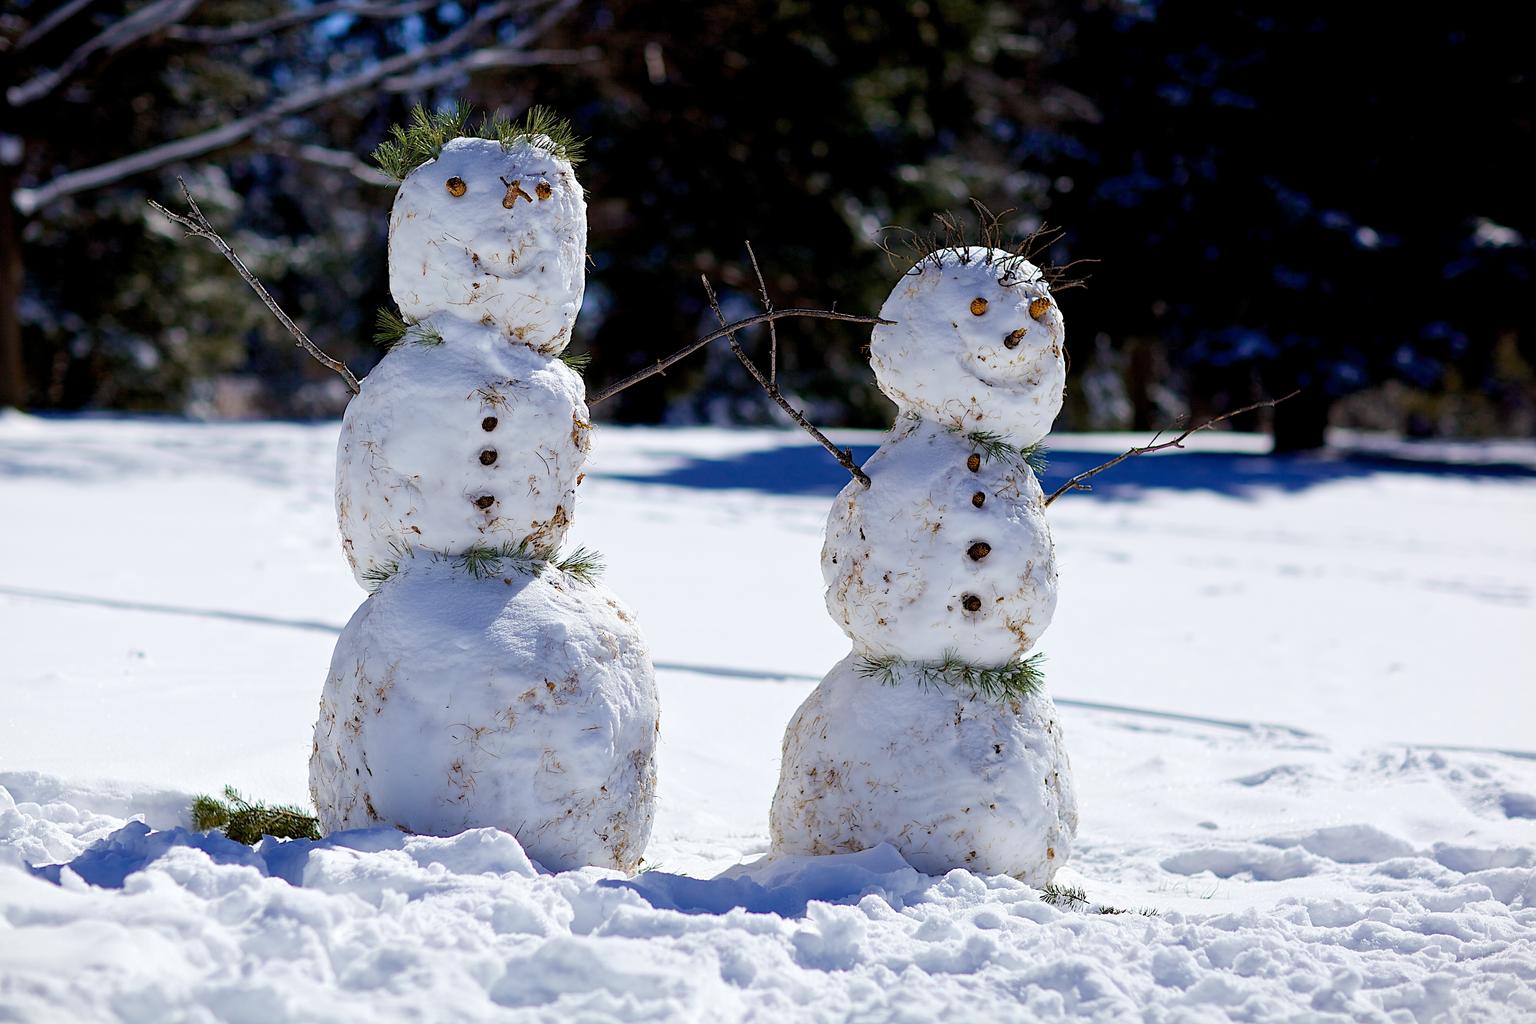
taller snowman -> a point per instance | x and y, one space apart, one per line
484 681
933 734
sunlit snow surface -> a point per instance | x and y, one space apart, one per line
1297 694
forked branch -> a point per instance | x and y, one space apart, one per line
770 384
662 365
196 224
1077 484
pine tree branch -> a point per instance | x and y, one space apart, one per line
1076 483
662 365
29 199
196 224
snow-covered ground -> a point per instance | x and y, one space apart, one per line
1298 695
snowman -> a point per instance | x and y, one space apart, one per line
933 734
483 682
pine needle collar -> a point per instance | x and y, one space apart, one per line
424 135
1011 682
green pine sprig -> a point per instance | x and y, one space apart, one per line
484 561
391 329
578 361
582 565
1013 681
1075 898
539 126
246 822
426 132
995 447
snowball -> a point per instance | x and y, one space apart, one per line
965 351
949 779
525 703
899 562
439 429
508 253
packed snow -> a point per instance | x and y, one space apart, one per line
498 234
1297 694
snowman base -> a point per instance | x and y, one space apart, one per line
525 702
949 778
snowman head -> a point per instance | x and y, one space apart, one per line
976 344
493 233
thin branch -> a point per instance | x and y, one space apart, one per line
844 457
198 225
494 57
336 159
50 23
146 21
214 35
773 335
29 199
661 365
1076 483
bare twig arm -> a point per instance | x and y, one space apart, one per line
198 225
843 456
661 365
1077 484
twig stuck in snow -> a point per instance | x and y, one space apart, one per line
198 225
1076 483
769 383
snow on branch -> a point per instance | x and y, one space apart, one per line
197 224
29 199
1077 484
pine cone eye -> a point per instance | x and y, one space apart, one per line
978 306
1039 307
456 186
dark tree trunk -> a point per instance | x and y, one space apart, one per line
1301 423
13 381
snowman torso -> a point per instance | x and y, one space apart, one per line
479 684
944 558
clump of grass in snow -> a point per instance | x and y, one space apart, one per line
246 822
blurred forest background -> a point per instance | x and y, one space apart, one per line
1306 194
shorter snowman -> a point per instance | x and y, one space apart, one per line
933 734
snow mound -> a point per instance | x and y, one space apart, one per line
516 700
944 776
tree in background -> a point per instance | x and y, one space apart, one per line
106 102
1299 196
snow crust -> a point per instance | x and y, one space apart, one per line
437 429
897 558
951 366
945 777
524 702
1325 836
508 254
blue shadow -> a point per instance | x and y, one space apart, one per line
805 469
